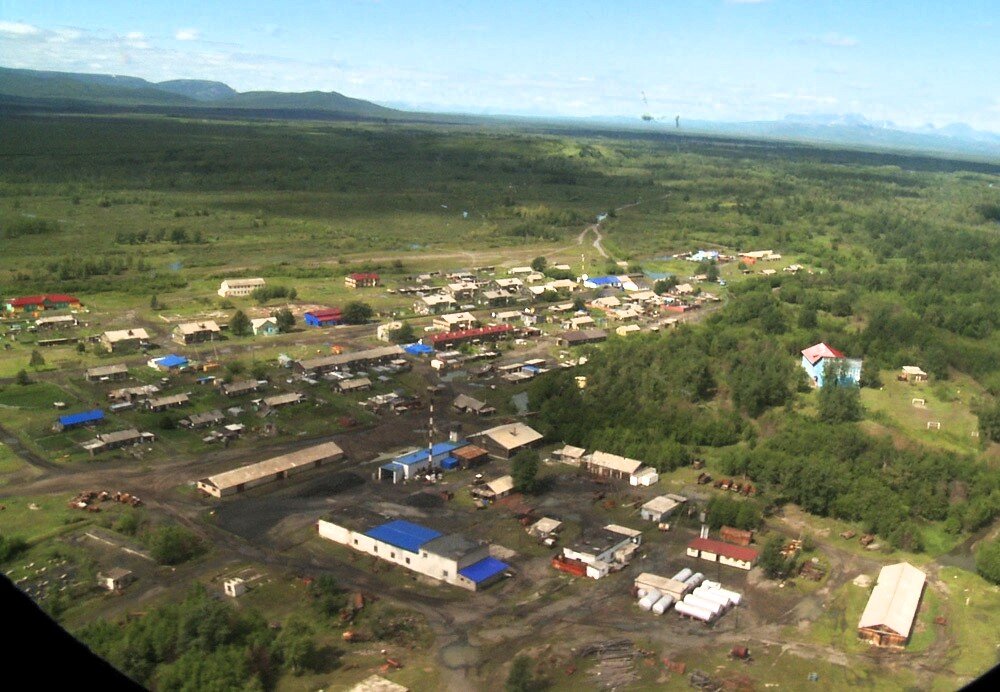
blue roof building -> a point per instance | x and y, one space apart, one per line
169 362
408 465
418 349
447 557
76 420
603 281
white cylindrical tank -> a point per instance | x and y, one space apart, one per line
711 584
663 605
712 595
647 601
733 597
640 593
708 605
683 574
694 580
693 611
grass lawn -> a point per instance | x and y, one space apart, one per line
972 609
946 402
51 516
9 462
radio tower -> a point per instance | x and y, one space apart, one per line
430 438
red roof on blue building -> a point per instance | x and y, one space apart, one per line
816 353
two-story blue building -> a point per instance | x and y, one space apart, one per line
818 360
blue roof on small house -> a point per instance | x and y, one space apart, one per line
172 361
418 349
403 534
604 280
483 570
81 418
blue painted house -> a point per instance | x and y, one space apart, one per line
406 466
819 359
323 318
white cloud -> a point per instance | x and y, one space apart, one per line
18 29
187 35
135 36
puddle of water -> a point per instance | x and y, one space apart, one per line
459 655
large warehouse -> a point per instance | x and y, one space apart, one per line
892 607
274 469
448 557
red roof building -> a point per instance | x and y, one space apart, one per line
50 301
361 279
814 354
717 551
462 336
324 317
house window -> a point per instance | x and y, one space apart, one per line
407 560
392 555
444 573
376 548
355 541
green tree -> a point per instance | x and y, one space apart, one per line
761 377
712 271
296 644
839 404
539 264
775 566
286 320
521 678
357 312
524 469
664 285
154 303
172 545
328 598
22 378
404 335
37 360
808 318
989 422
988 561
239 324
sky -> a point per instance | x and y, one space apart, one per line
909 62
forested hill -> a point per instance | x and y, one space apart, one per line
115 90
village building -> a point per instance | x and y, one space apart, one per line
168 363
504 441
201 420
496 298
348 361
107 373
274 402
270 470
115 579
434 304
167 402
508 316
34 305
240 387
821 359
326 317
494 489
264 326
361 280
129 394
520 271
466 404
627 329
406 466
735 536
615 466
462 290
512 285
569 454
240 288
449 340
602 282
115 440
751 258
582 337
356 384
124 339
196 332
452 559
727 554
56 322
79 420
470 455
887 620
603 550
662 507
911 373
455 321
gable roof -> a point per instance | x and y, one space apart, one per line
513 435
816 353
196 327
736 552
501 485
895 599
81 418
403 534
615 462
484 569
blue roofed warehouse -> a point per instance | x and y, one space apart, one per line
77 420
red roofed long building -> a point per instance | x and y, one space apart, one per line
34 304
452 339
361 280
728 554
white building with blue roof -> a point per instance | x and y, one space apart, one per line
406 466
450 558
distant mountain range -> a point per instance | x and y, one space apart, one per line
72 90
115 90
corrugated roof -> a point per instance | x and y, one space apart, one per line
171 361
102 370
285 462
491 330
195 327
484 569
736 552
125 334
615 462
348 358
895 599
81 418
501 485
419 455
660 504
120 436
36 300
513 435
403 534
816 353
